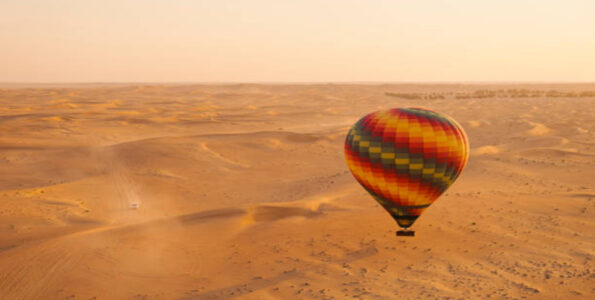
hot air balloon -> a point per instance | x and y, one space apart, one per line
406 158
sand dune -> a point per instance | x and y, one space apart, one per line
538 129
242 192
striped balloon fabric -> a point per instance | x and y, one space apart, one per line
406 158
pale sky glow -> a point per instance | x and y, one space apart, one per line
296 41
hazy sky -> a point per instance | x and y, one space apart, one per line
296 41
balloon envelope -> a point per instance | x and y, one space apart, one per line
406 158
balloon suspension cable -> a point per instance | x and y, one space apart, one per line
405 232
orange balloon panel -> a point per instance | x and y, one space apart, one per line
406 158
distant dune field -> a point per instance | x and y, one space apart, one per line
242 192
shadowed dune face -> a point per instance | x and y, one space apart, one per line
241 191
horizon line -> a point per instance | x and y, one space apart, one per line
470 82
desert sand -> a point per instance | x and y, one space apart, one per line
135 191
